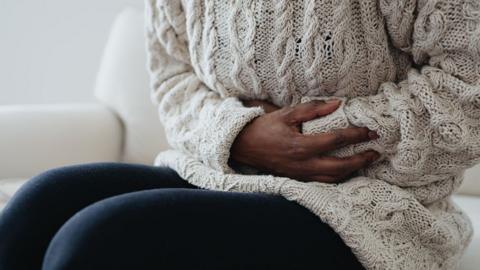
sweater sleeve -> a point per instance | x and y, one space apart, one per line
429 122
197 120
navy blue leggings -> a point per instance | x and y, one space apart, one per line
126 216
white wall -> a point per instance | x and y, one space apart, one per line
50 49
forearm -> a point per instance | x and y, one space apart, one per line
197 120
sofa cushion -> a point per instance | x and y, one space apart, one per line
123 85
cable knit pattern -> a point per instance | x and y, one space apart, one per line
409 69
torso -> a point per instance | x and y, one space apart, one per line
323 48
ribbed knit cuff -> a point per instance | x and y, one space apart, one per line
230 119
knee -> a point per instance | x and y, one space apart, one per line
41 187
77 245
44 184
57 181
107 233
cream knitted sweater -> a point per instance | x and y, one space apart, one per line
409 69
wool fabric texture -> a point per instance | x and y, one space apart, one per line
408 69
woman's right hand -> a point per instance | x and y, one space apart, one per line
274 143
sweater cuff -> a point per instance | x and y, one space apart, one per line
343 117
374 113
230 119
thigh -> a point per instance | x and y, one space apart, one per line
197 229
48 200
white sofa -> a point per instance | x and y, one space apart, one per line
122 126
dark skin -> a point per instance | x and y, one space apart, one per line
274 143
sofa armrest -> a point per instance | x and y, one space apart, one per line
34 138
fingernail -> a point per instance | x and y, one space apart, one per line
333 101
373 135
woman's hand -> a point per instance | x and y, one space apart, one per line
273 142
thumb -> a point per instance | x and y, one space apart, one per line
313 109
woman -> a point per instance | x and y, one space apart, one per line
291 178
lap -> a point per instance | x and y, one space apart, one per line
136 213
196 229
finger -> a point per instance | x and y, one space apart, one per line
339 167
311 110
335 139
